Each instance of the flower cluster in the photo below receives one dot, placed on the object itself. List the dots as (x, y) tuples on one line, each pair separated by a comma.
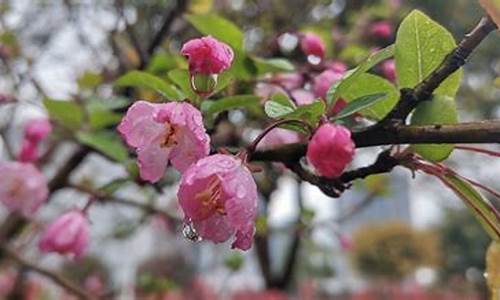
[(35, 131)]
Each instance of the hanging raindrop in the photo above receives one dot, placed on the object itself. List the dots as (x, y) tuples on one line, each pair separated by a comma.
[(189, 232), (313, 59), (202, 84)]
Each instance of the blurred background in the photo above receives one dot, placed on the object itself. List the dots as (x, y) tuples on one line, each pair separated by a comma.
[(389, 237)]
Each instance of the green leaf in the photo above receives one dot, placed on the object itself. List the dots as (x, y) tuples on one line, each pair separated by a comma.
[(106, 142), (101, 116), (477, 203), (352, 76), (89, 80), (441, 110), (67, 113), (310, 113), (278, 106), (272, 65), (142, 79), (243, 67), (182, 78), (361, 103), (368, 84), (163, 62), (421, 46), (218, 27), (212, 107)]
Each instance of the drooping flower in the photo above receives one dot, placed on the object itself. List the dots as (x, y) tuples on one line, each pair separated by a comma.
[(388, 69), (207, 55), (37, 130), (330, 150), (312, 44), (68, 234), (164, 132), (23, 188), (324, 81), (219, 196), (381, 29)]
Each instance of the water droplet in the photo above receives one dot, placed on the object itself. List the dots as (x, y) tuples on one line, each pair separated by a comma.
[(313, 59), (189, 232)]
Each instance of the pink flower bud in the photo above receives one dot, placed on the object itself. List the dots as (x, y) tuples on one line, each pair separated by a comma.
[(324, 81), (164, 132), (388, 69), (219, 197), (336, 66), (381, 29), (28, 151), (311, 44), (207, 55), (68, 234), (346, 242), (23, 188), (37, 130), (330, 150)]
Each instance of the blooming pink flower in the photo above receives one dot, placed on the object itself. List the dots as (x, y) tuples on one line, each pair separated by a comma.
[(330, 150), (289, 81), (68, 234), (278, 136), (207, 55), (23, 188), (219, 196), (324, 81), (388, 69), (311, 44), (381, 29), (302, 97), (37, 130), (164, 132)]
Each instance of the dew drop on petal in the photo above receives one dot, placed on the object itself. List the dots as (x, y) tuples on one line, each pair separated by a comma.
[(313, 59), (189, 232)]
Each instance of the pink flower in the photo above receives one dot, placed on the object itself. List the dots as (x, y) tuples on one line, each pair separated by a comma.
[(324, 81), (311, 44), (278, 136), (37, 130), (302, 97), (28, 151), (388, 69), (288, 81), (330, 150), (219, 196), (381, 29), (23, 188), (164, 132), (68, 234), (207, 55), (346, 242)]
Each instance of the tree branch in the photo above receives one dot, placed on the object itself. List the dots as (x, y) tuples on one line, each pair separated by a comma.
[(57, 278), (485, 132)]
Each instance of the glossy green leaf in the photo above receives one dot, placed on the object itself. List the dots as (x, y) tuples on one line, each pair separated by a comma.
[(368, 84), (212, 107), (359, 104), (477, 203), (218, 27), (352, 76), (140, 79), (421, 46), (272, 65), (440, 110), (310, 113), (278, 106), (67, 113), (100, 116), (162, 62), (106, 142)]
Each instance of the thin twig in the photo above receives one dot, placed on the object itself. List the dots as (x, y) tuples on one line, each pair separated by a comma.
[(56, 278)]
